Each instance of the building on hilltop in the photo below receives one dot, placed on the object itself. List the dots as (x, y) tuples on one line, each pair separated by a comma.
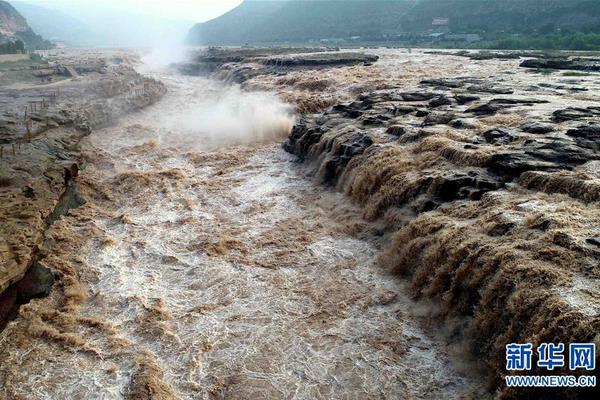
[(440, 25)]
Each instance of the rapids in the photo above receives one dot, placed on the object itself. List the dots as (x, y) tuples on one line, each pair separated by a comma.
[(204, 268)]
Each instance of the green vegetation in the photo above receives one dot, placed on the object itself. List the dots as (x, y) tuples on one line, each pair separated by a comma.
[(11, 47), (37, 58), (575, 73), (34, 41), (20, 71), (33, 59), (497, 24), (15, 32), (552, 41)]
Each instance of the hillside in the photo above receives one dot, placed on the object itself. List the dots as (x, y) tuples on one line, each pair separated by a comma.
[(383, 20), (54, 24), (77, 26), (13, 27)]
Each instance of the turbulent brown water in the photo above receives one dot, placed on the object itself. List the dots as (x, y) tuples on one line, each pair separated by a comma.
[(209, 268)]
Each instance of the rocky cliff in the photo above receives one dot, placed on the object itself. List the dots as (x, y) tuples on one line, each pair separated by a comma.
[(39, 161), (13, 26)]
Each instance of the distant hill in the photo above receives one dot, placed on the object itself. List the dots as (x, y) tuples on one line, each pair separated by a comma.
[(55, 25), (99, 25), (13, 27), (295, 21)]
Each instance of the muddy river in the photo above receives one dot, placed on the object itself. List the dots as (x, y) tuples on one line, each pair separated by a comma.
[(207, 264)]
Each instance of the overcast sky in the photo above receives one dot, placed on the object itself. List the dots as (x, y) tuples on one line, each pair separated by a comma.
[(194, 10)]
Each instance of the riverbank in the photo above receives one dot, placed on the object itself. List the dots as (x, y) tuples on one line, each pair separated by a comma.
[(42, 127)]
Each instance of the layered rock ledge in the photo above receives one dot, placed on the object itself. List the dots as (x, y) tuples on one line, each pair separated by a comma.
[(490, 194), (484, 175)]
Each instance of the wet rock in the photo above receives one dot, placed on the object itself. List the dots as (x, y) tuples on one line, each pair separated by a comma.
[(37, 282), (425, 204), (440, 101), (404, 109), (501, 229), (445, 83), (320, 59), (337, 160), (486, 55), (500, 136), (199, 68), (396, 130), (516, 101), (463, 186), (353, 110), (339, 149), (463, 123), (543, 225), (332, 122), (417, 96), (354, 114), (537, 127), (422, 113), (301, 138), (70, 169), (8, 306), (563, 153), (380, 96), (541, 63), (29, 192), (574, 113), (561, 63), (591, 132), (356, 145), (565, 240), (375, 120), (363, 105), (436, 118), (485, 109), (416, 136), (489, 89), (466, 98), (69, 200), (341, 107), (513, 164), (348, 110), (495, 105)]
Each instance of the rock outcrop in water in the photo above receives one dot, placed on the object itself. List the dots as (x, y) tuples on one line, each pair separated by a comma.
[(488, 185), (496, 223), (574, 64), (254, 62)]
